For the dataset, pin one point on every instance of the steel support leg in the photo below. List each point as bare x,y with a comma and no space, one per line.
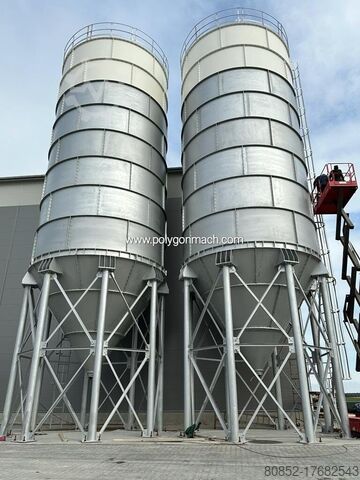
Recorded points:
340,394
99,347
230,371
133,365
40,376
13,369
152,362
278,391
160,405
317,360
84,398
227,396
187,361
192,372
298,341
35,361
192,390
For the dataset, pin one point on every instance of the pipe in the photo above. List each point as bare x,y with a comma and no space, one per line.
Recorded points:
160,405
34,369
13,370
99,347
230,371
298,341
152,362
40,376
187,362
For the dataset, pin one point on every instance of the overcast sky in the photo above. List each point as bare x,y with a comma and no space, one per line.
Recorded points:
324,38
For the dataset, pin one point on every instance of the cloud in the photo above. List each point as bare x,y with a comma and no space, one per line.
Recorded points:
324,38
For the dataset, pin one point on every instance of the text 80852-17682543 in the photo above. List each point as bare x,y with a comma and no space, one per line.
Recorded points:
312,471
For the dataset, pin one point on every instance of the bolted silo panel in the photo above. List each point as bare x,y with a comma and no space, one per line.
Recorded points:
244,173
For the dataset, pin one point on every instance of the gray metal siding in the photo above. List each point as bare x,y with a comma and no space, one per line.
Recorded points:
17,228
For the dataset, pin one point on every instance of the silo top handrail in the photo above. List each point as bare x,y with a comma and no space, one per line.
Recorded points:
231,16
118,30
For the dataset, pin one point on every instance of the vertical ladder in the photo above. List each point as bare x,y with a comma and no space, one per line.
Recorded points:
320,226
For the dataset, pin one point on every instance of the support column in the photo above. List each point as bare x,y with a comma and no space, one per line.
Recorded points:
133,364
34,369
317,360
192,390
160,405
187,362
227,397
298,341
230,371
40,376
84,397
278,391
152,362
340,394
99,347
13,368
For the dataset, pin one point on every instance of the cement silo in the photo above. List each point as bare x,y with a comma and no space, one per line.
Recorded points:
105,189
251,250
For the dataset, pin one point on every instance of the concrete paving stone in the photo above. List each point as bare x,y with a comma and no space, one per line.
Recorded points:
123,457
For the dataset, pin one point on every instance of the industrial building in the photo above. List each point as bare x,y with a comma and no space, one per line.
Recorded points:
113,331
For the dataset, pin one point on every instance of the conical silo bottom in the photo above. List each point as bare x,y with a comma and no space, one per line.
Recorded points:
77,274
258,343
257,268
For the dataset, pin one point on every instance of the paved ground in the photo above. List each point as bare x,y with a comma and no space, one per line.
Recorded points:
170,458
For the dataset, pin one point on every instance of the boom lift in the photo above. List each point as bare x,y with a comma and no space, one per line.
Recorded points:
330,197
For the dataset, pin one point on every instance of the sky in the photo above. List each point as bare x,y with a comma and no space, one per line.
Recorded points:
324,37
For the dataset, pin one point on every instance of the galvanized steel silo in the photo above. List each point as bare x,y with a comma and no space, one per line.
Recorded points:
244,176
243,160
105,185
106,180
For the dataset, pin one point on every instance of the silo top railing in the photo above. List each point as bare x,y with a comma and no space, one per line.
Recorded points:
231,16
118,30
